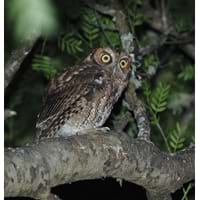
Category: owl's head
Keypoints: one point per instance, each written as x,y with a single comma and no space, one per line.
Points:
117,62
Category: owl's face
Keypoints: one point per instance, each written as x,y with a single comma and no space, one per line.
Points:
118,62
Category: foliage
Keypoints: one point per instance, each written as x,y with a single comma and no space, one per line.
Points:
176,138
150,64
182,26
70,44
187,73
45,65
135,15
159,98
157,103
89,21
94,29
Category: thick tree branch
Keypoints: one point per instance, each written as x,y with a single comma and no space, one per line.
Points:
16,59
33,170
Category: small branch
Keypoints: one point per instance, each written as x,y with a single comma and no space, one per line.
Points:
33,170
164,14
153,19
9,113
137,107
157,43
189,49
106,10
163,136
15,61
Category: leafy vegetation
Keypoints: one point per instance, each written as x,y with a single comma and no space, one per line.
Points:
44,64
176,138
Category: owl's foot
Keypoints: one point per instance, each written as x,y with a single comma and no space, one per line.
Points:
94,130
103,129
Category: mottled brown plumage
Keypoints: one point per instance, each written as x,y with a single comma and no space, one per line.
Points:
83,96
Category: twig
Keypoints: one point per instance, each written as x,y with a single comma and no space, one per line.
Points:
153,19
9,113
163,136
137,107
154,46
106,10
164,14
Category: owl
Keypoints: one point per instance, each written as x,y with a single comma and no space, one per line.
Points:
82,97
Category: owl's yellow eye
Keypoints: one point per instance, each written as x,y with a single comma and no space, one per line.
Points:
105,58
123,63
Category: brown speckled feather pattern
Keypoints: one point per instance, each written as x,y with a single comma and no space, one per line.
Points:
67,97
80,98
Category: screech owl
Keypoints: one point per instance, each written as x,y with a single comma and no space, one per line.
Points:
82,97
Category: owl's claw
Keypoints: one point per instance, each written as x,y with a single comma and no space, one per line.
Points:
103,129
94,130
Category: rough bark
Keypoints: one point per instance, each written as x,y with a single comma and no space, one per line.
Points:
16,59
32,170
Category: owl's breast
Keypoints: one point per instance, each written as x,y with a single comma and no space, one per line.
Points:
103,103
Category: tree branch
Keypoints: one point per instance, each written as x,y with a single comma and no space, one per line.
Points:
33,170
16,59
162,22
9,113
138,109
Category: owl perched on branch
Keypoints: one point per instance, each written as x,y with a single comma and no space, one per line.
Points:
82,97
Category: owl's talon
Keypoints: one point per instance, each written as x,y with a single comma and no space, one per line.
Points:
93,130
103,129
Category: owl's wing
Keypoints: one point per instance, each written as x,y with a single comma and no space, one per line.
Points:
65,90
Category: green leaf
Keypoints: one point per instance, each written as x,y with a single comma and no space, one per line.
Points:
158,100
70,43
182,25
187,73
147,90
45,65
89,26
176,138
